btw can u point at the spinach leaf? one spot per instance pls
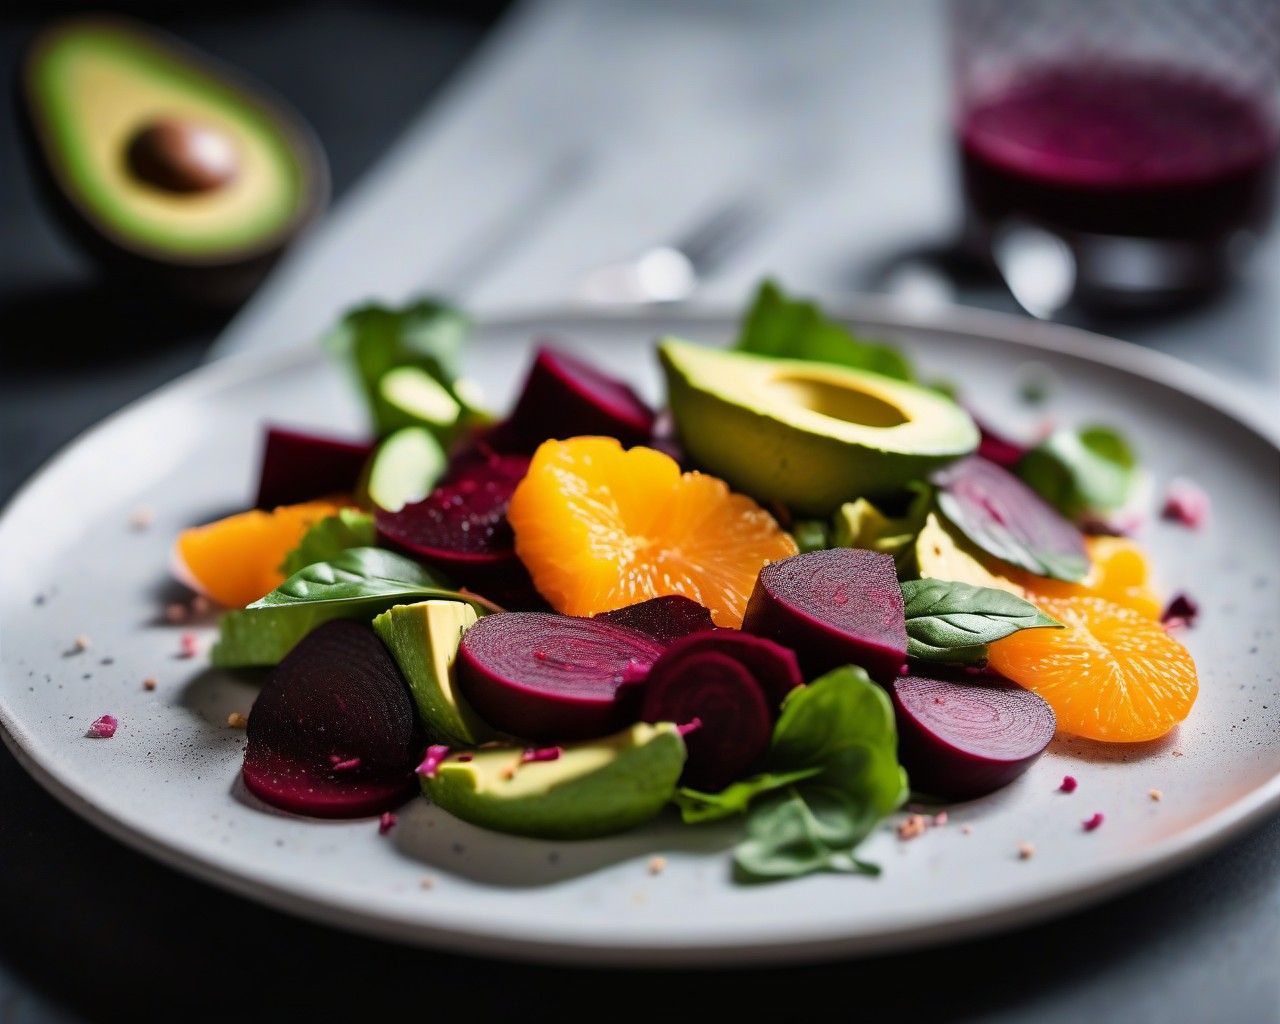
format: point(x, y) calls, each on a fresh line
point(953, 622)
point(359, 583)
point(1081, 472)
point(428, 334)
point(811, 535)
point(786, 328)
point(696, 806)
point(329, 537)
point(841, 724)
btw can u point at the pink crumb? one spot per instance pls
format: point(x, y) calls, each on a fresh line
point(940, 818)
point(102, 728)
point(689, 727)
point(435, 754)
point(1186, 502)
point(1182, 611)
point(386, 823)
point(1069, 784)
point(1093, 822)
point(347, 765)
point(904, 669)
point(188, 646)
point(542, 754)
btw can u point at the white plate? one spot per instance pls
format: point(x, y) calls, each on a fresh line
point(167, 783)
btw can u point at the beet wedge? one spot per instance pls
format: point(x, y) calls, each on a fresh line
point(838, 606)
point(666, 619)
point(298, 466)
point(333, 733)
point(548, 677)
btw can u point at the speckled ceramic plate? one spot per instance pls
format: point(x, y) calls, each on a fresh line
point(168, 781)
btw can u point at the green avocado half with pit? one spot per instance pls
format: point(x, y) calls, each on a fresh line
point(583, 790)
point(164, 162)
point(810, 435)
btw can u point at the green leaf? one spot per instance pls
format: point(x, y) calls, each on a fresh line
point(329, 537)
point(696, 806)
point(1081, 472)
point(787, 328)
point(811, 535)
point(376, 340)
point(841, 724)
point(859, 524)
point(953, 622)
point(359, 583)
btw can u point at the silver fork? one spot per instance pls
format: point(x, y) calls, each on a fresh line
point(671, 273)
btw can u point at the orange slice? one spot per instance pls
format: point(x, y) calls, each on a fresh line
point(236, 560)
point(1121, 574)
point(599, 528)
point(1110, 674)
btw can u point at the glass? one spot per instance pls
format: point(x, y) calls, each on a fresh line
point(1143, 133)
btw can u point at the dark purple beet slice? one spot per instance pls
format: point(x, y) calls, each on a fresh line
point(1007, 519)
point(298, 466)
point(774, 667)
point(565, 397)
point(733, 716)
point(549, 677)
point(333, 733)
point(838, 606)
point(960, 739)
point(997, 448)
point(663, 618)
point(462, 524)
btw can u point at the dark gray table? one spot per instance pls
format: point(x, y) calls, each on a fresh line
point(90, 930)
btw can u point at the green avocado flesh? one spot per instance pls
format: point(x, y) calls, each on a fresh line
point(423, 638)
point(91, 85)
point(810, 435)
point(592, 789)
point(405, 468)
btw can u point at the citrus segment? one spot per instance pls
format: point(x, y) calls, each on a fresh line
point(599, 527)
point(1120, 574)
point(1109, 674)
point(237, 560)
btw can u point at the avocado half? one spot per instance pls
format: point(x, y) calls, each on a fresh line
point(810, 435)
point(164, 163)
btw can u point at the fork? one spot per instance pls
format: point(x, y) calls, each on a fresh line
point(671, 273)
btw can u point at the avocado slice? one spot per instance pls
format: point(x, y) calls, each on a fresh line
point(591, 789)
point(164, 162)
point(810, 435)
point(941, 555)
point(423, 638)
point(404, 468)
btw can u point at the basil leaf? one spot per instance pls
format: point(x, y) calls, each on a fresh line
point(787, 328)
point(802, 830)
point(357, 584)
point(1005, 518)
point(1089, 471)
point(329, 537)
point(696, 806)
point(811, 535)
point(953, 622)
point(428, 334)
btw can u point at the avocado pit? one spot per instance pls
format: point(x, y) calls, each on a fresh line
point(182, 155)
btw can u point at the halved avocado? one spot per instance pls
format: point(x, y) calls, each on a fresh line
point(163, 162)
point(810, 435)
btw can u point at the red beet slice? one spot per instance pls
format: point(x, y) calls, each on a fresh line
point(663, 618)
point(997, 448)
point(333, 733)
point(298, 466)
point(1006, 518)
point(838, 606)
point(774, 667)
point(550, 677)
point(566, 397)
point(717, 692)
point(962, 739)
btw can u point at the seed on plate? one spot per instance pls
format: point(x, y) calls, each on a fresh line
point(237, 721)
point(1155, 794)
point(149, 683)
point(914, 825)
point(142, 517)
point(81, 643)
point(175, 612)
point(1026, 851)
point(657, 865)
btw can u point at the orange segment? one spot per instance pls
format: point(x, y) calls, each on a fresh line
point(599, 528)
point(1110, 674)
point(1120, 574)
point(236, 560)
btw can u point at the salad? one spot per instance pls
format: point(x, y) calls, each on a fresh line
point(811, 585)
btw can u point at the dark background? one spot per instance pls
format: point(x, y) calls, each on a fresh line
point(91, 930)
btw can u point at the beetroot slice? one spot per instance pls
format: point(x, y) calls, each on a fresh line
point(298, 466)
point(566, 397)
point(732, 714)
point(333, 733)
point(551, 677)
point(663, 618)
point(774, 667)
point(962, 739)
point(997, 448)
point(833, 607)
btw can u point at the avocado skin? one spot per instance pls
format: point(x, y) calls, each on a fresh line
point(757, 453)
point(626, 792)
point(230, 277)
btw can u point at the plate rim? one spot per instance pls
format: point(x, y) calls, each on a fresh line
point(1148, 863)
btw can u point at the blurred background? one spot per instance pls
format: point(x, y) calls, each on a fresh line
point(1106, 165)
